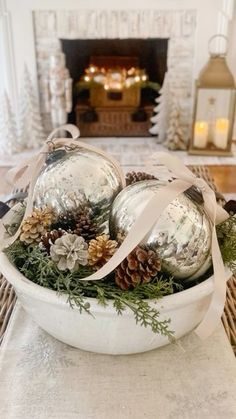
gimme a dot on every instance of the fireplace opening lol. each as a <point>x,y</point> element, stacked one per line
<point>115,83</point>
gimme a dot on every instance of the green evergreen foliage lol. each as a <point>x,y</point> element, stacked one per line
<point>36,265</point>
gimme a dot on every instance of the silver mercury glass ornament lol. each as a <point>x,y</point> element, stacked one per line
<point>181,236</point>
<point>75,178</point>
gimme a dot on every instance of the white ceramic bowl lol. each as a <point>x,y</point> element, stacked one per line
<point>105,331</point>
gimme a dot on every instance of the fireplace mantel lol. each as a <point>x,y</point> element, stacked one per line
<point>20,40</point>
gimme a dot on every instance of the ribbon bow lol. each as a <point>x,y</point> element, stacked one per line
<point>27,172</point>
<point>146,220</point>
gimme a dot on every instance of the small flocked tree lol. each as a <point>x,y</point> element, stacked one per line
<point>8,131</point>
<point>31,131</point>
<point>174,135</point>
<point>160,119</point>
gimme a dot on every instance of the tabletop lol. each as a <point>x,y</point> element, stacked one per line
<point>45,379</point>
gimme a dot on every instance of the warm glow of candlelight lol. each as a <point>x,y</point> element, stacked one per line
<point>200,134</point>
<point>201,127</point>
<point>114,78</point>
<point>221,133</point>
<point>92,69</point>
<point>222,125</point>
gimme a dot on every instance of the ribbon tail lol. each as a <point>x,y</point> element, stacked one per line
<point>141,227</point>
<point>221,214</point>
<point>216,307</point>
<point>34,171</point>
<point>21,175</point>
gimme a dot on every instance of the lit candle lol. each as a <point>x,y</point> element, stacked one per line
<point>200,134</point>
<point>92,69</point>
<point>221,133</point>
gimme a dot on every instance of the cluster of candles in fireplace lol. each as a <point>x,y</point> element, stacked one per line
<point>115,78</point>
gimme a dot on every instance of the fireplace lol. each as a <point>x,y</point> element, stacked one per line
<point>118,110</point>
<point>32,33</point>
<point>177,28</point>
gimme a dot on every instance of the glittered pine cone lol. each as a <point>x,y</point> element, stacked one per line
<point>134,177</point>
<point>50,237</point>
<point>36,225</point>
<point>100,250</point>
<point>139,267</point>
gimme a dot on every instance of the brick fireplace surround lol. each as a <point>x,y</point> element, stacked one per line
<point>33,31</point>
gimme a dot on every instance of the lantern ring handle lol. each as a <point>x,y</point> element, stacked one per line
<point>218,36</point>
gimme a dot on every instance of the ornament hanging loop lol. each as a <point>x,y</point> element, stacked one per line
<point>214,54</point>
<point>51,145</point>
<point>70,128</point>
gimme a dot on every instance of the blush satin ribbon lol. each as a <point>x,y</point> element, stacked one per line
<point>144,223</point>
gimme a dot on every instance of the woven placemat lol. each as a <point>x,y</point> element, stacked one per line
<point>8,298</point>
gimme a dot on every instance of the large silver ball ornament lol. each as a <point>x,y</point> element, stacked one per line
<point>71,179</point>
<point>181,236</point>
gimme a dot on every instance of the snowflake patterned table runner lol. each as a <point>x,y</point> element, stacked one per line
<point>41,378</point>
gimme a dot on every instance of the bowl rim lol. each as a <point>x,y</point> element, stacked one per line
<point>35,291</point>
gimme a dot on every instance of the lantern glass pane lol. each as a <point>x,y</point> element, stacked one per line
<point>212,121</point>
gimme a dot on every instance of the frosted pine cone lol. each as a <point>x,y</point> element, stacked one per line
<point>101,250</point>
<point>139,267</point>
<point>69,252</point>
<point>134,177</point>
<point>36,225</point>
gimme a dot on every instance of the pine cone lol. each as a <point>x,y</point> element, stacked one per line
<point>36,225</point>
<point>100,250</point>
<point>65,221</point>
<point>50,237</point>
<point>85,226</point>
<point>69,252</point>
<point>121,235</point>
<point>134,177</point>
<point>230,207</point>
<point>139,267</point>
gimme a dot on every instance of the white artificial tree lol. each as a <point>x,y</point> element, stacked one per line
<point>174,135</point>
<point>160,119</point>
<point>31,132</point>
<point>8,132</point>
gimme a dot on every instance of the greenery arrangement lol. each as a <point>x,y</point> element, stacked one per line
<point>58,252</point>
<point>37,266</point>
<point>226,233</point>
<point>147,84</point>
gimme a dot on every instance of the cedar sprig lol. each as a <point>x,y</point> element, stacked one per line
<point>226,234</point>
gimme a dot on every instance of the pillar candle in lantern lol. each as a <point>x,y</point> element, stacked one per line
<point>200,134</point>
<point>221,133</point>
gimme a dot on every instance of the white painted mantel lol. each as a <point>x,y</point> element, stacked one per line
<point>22,42</point>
